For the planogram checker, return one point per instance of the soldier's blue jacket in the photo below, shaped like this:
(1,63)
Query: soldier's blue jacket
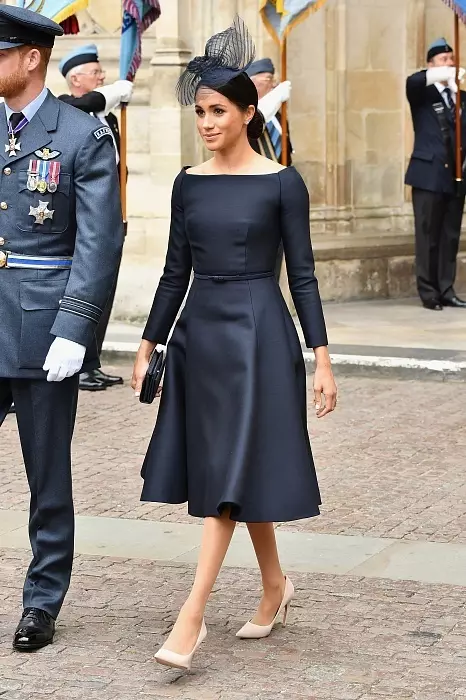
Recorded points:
(38,305)
(431,166)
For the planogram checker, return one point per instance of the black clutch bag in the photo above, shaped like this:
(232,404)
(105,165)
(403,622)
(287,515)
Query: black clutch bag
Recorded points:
(153,376)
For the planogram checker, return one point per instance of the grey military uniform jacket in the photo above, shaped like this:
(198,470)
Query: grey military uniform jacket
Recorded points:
(38,305)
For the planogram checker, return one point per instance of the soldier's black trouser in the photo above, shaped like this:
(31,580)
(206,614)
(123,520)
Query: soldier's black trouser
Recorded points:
(437,219)
(46,413)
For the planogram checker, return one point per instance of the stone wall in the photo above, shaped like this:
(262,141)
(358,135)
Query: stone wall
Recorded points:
(350,122)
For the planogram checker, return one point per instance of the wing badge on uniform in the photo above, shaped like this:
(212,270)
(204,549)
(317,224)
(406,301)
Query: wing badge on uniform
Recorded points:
(46,153)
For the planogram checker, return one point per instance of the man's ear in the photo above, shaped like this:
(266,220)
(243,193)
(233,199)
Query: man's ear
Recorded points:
(33,59)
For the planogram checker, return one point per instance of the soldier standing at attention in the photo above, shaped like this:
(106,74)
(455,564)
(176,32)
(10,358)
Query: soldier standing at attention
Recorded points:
(438,206)
(83,73)
(61,235)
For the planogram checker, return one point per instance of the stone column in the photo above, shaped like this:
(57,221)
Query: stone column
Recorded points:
(172,137)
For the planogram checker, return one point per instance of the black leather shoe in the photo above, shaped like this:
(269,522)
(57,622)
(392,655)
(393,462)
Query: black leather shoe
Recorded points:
(454,301)
(12,409)
(35,630)
(87,382)
(432,304)
(107,379)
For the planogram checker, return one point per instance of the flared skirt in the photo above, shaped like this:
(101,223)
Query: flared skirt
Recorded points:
(231,430)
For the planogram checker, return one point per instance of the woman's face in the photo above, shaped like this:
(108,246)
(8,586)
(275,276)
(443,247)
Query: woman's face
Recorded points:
(219,121)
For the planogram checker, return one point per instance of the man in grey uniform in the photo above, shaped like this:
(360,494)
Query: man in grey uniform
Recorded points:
(61,235)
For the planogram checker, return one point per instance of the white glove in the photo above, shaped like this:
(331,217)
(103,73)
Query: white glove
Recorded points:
(117,92)
(273,100)
(452,81)
(64,359)
(440,74)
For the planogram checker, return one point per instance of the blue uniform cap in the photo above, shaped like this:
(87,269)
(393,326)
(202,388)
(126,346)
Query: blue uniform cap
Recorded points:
(263,65)
(438,46)
(19,27)
(78,57)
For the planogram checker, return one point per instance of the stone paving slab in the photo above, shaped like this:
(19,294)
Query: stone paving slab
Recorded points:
(384,338)
(374,557)
(391,461)
(348,638)
(392,323)
(156,541)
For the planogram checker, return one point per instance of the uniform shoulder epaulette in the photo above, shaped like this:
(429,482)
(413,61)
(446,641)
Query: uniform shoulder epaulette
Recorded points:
(102,131)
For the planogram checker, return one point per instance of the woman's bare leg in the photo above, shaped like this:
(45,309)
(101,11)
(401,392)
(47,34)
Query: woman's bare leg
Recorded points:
(273,580)
(216,538)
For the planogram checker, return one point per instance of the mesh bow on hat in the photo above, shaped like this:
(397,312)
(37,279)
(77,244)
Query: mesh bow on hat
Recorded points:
(227,54)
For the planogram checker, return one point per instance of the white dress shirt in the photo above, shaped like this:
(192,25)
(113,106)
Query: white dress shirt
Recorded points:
(30,109)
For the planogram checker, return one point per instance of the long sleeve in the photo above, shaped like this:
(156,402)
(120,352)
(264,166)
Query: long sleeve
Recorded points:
(295,230)
(90,102)
(175,279)
(416,87)
(99,240)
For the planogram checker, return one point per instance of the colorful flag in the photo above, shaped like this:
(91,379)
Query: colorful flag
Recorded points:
(459,6)
(280,16)
(58,10)
(138,15)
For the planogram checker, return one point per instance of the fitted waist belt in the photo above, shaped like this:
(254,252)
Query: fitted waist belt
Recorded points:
(35,262)
(235,278)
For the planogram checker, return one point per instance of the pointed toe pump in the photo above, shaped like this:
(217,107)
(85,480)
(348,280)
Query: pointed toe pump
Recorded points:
(180,661)
(253,631)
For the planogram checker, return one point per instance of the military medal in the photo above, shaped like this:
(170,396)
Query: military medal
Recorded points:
(43,171)
(41,212)
(13,145)
(54,176)
(33,175)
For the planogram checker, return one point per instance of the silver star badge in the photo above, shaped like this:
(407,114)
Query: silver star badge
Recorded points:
(12,146)
(41,212)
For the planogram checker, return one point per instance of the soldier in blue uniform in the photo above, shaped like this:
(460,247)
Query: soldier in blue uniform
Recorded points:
(85,78)
(437,201)
(61,235)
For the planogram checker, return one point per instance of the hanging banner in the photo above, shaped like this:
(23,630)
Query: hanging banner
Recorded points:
(280,16)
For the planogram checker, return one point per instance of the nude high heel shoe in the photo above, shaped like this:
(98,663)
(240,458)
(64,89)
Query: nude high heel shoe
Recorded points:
(252,631)
(181,661)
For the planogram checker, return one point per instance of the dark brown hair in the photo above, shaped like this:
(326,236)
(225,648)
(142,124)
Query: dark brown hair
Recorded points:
(45,53)
(243,93)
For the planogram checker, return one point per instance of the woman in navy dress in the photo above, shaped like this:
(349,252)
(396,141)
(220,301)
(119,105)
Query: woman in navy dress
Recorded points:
(231,434)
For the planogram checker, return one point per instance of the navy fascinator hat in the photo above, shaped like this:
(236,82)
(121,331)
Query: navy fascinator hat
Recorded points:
(227,55)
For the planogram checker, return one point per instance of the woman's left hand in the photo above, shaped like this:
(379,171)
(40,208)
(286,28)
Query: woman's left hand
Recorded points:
(324,383)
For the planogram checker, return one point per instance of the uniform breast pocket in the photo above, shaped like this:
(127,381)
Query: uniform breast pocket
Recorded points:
(43,213)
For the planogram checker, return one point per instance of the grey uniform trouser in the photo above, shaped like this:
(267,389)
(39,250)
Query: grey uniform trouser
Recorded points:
(46,413)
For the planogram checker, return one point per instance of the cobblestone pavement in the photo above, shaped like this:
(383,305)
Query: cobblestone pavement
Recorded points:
(347,639)
(391,460)
(391,463)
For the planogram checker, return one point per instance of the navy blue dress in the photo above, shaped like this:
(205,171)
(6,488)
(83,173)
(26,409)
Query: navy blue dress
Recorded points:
(231,429)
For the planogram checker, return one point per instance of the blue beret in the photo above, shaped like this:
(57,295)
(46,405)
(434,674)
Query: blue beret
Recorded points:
(19,27)
(264,65)
(438,46)
(78,57)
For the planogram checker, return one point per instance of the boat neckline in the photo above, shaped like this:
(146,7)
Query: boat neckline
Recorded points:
(186,167)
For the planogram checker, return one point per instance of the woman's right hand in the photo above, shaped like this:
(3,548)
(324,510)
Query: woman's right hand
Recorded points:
(141,365)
